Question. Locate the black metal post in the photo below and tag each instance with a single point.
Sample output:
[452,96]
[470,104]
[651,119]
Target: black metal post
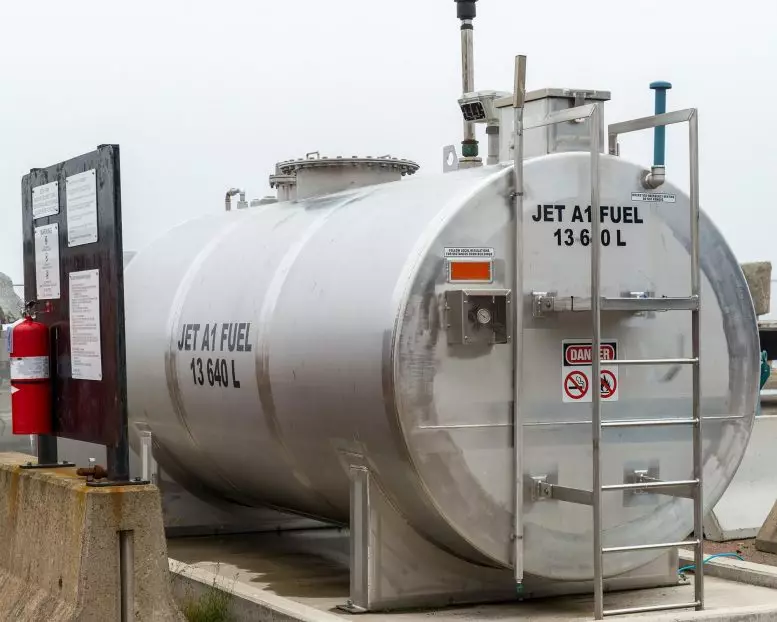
[47,449]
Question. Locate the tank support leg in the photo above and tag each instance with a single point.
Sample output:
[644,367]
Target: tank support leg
[393,567]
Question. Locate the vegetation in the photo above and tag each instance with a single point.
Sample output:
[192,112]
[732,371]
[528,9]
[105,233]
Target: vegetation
[212,606]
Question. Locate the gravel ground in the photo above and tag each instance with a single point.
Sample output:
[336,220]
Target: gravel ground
[746,548]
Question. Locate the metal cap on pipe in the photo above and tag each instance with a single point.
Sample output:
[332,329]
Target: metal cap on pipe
[465,9]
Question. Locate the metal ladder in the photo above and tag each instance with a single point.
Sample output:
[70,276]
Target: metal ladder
[691,488]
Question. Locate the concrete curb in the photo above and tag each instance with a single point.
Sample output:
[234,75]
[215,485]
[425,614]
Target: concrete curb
[735,570]
[250,604]
[767,613]
[253,604]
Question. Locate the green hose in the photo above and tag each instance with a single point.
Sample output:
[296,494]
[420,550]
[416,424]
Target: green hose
[766,369]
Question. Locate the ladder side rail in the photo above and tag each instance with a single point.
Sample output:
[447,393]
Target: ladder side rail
[592,112]
[698,438]
[519,96]
[596,361]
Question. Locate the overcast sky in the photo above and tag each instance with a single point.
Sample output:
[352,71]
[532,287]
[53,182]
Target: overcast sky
[206,95]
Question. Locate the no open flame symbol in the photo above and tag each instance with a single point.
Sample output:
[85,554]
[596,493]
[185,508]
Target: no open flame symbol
[608,384]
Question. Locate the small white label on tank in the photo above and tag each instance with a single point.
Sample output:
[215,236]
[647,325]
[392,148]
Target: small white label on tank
[85,343]
[81,203]
[653,197]
[469,251]
[45,200]
[47,262]
[576,381]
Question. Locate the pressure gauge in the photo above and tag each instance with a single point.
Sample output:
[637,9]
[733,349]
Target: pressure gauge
[484,315]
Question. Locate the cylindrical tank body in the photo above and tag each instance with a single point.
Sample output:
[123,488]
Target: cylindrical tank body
[270,348]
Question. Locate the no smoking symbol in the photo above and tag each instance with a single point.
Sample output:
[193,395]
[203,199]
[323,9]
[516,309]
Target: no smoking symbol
[576,385]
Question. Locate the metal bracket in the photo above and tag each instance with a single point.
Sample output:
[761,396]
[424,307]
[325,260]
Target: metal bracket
[542,489]
[450,159]
[639,496]
[542,303]
[653,485]
[580,97]
[108,483]
[639,304]
[54,465]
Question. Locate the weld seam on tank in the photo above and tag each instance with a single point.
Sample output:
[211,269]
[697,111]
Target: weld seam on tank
[264,383]
[171,368]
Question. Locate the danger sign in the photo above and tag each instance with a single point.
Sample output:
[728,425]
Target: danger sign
[576,353]
[576,371]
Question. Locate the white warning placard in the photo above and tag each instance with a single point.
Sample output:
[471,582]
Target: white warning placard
[470,252]
[576,381]
[85,342]
[81,208]
[47,262]
[45,200]
[654,197]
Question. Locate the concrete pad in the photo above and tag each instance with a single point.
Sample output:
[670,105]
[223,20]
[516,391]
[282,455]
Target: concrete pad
[59,547]
[758,275]
[304,577]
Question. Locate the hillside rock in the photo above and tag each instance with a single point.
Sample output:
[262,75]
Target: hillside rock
[11,305]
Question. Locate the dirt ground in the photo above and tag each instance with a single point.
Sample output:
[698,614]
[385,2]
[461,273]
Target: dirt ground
[746,548]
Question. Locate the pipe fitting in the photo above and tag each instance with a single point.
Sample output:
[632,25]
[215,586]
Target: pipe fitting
[654,178]
[465,10]
[228,198]
[492,131]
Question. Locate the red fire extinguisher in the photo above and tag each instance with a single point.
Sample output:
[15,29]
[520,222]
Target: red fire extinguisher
[30,377]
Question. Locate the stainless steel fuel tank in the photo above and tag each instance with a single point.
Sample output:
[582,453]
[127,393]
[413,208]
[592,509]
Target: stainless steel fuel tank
[268,348]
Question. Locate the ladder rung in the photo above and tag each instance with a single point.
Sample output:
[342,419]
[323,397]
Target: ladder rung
[651,362]
[636,423]
[649,547]
[640,485]
[620,612]
[689,303]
